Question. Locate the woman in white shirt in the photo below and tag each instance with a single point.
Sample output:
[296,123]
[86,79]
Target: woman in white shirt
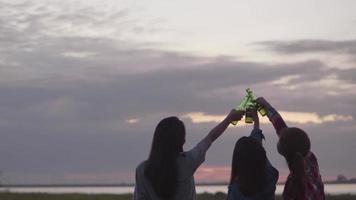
[168,171]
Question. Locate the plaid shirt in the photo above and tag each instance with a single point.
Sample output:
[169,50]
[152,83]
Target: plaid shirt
[314,188]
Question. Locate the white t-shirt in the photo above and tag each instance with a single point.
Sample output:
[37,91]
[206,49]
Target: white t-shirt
[188,162]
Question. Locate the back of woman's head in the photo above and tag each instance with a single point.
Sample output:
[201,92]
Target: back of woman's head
[249,162]
[167,144]
[294,145]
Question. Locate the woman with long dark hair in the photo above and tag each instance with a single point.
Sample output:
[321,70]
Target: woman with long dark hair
[252,175]
[304,180]
[168,172]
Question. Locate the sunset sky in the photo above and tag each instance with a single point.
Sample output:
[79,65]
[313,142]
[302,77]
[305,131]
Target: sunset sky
[84,83]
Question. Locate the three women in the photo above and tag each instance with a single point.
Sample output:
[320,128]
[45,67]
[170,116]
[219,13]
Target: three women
[168,171]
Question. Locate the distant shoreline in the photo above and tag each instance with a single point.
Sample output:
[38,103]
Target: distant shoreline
[204,196]
[131,185]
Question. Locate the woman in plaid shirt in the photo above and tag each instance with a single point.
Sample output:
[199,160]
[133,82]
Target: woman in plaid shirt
[304,181]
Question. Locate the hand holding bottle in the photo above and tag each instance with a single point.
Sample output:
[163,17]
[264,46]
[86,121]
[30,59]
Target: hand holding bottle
[263,102]
[235,115]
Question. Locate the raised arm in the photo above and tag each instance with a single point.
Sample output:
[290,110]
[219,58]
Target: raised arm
[256,119]
[197,154]
[256,132]
[234,115]
[273,115]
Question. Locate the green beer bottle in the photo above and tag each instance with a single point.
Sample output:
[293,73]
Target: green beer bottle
[249,101]
[248,117]
[260,108]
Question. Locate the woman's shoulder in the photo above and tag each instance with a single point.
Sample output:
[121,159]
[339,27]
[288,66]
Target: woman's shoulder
[196,155]
[140,167]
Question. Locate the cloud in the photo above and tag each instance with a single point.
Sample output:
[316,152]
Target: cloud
[332,84]
[285,80]
[311,46]
[133,120]
[201,117]
[96,177]
[291,117]
[313,118]
[348,75]
[221,174]
[84,54]
[213,174]
[77,92]
[338,54]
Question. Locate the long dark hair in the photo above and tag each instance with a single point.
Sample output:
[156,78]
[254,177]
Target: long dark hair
[167,144]
[294,145]
[249,166]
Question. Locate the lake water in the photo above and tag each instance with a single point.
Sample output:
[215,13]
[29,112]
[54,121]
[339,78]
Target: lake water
[329,188]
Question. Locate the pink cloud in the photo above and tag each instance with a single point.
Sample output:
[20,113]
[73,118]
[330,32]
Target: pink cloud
[101,177]
[222,174]
[213,174]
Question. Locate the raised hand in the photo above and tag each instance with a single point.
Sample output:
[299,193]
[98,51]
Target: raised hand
[236,115]
[263,102]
